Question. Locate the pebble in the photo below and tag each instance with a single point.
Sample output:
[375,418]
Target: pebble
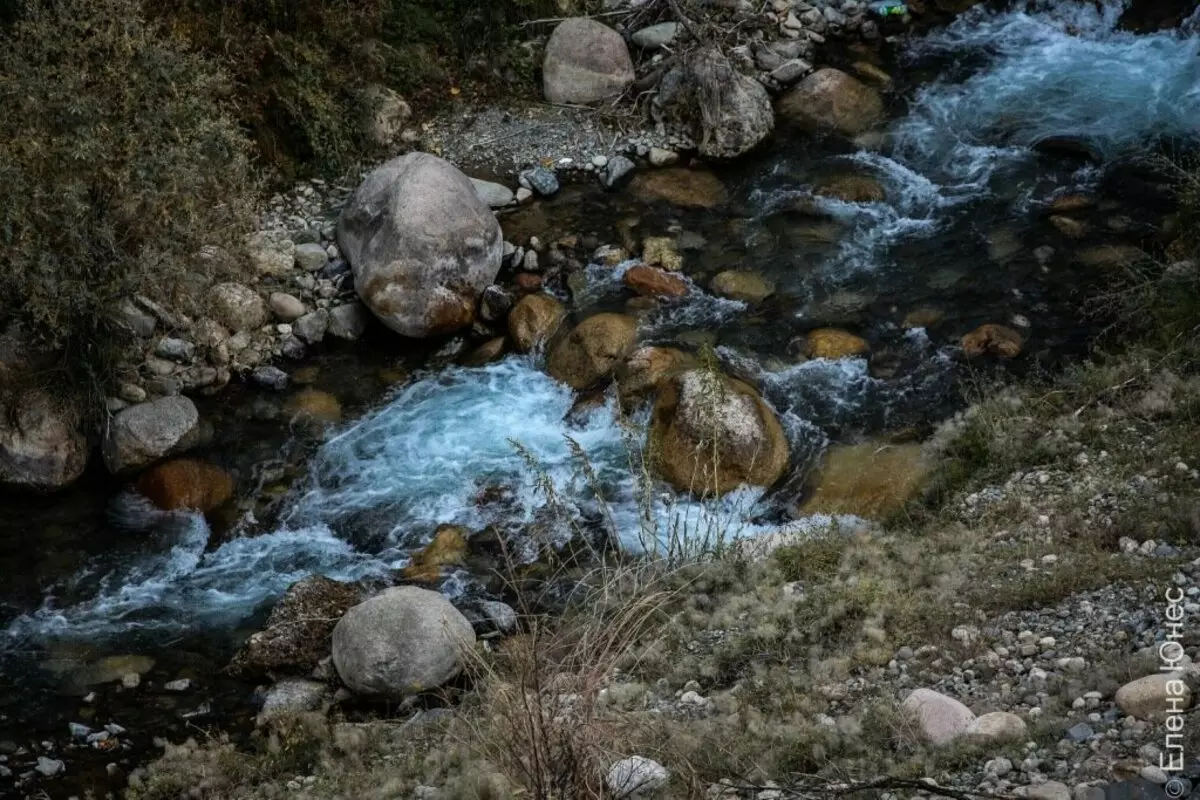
[541,180]
[181,685]
[49,767]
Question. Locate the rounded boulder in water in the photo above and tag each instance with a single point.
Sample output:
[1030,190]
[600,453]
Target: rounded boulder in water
[422,245]
[534,320]
[185,484]
[402,642]
[713,434]
[593,350]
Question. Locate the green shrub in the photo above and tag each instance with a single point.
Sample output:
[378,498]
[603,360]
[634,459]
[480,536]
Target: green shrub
[120,163]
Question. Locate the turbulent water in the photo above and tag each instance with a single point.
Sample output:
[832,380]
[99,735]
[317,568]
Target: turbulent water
[432,452]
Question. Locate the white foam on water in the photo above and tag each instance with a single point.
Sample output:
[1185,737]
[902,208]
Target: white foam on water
[176,584]
[696,309]
[1063,69]
[382,485]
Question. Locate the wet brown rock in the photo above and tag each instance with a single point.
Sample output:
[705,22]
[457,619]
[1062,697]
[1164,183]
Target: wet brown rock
[835,343]
[748,287]
[185,484]
[829,99]
[448,548]
[653,282]
[711,434]
[870,480]
[646,369]
[534,320]
[679,186]
[992,340]
[853,189]
[593,349]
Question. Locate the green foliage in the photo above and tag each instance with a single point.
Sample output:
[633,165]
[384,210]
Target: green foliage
[120,164]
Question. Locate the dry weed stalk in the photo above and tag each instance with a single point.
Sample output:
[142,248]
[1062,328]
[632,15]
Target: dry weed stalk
[544,724]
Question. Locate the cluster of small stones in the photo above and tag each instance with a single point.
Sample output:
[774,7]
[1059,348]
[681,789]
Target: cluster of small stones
[295,290]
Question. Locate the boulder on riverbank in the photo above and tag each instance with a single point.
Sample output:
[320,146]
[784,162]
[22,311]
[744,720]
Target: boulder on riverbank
[422,245]
[41,445]
[401,642]
[586,62]
[713,434]
[727,113]
[145,433]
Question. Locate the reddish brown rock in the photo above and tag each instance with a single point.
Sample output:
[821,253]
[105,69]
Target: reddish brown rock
[992,340]
[185,484]
[653,282]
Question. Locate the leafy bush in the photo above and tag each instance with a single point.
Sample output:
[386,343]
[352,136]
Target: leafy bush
[120,164]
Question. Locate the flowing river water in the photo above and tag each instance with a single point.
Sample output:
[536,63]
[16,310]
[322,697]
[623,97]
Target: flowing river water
[968,181]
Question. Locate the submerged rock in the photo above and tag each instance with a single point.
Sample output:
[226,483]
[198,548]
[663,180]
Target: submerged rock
[185,484]
[422,245]
[593,350]
[586,62]
[869,480]
[314,407]
[713,434]
[296,635]
[653,282]
[401,642]
[833,343]
[680,186]
[748,287]
[993,340]
[448,548]
[147,432]
[829,99]
[852,189]
[41,444]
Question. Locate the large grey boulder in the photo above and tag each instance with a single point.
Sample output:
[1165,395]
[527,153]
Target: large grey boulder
[422,245]
[41,446]
[726,112]
[145,433]
[586,62]
[401,642]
